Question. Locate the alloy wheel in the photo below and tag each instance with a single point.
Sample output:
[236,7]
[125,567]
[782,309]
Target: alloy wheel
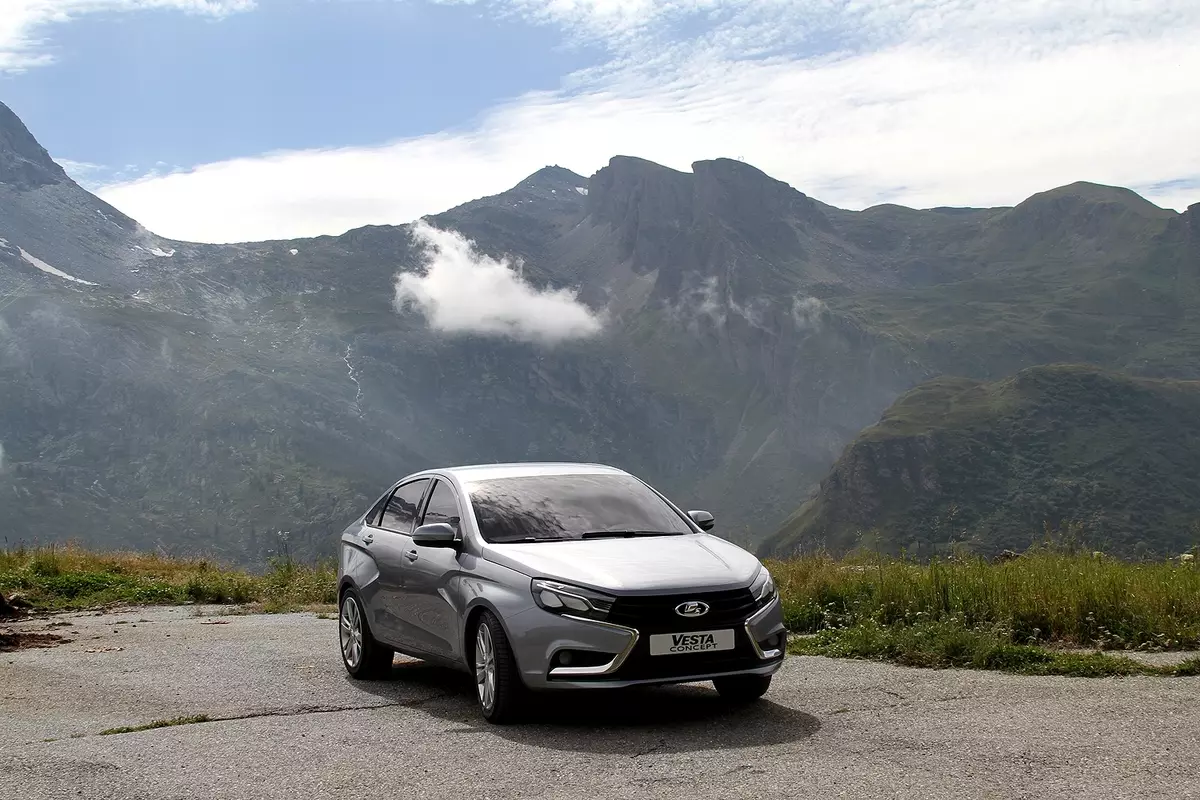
[351,632]
[485,667]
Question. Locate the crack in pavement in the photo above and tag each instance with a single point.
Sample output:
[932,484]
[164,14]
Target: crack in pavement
[653,748]
[904,702]
[279,712]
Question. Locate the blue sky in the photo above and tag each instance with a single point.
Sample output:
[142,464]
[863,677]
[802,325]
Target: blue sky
[160,87]
[222,120]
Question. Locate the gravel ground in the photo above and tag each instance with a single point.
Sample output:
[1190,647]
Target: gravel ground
[290,724]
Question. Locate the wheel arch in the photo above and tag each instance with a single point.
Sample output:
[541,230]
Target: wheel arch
[471,619]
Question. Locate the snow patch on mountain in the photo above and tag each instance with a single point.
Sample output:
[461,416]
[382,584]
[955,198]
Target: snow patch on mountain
[44,267]
[108,219]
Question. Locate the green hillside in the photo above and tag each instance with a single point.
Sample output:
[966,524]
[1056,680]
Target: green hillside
[1113,459]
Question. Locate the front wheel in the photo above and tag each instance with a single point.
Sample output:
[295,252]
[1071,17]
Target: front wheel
[742,688]
[498,685]
[364,657]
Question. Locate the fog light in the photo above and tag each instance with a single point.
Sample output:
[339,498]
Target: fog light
[564,658]
[774,642]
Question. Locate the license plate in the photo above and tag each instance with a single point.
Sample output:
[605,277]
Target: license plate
[669,644]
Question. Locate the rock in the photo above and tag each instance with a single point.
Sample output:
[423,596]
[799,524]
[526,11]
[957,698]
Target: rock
[24,163]
[1008,555]
[14,606]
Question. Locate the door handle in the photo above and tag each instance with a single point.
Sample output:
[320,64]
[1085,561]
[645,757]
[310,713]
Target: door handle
[368,537]
[411,555]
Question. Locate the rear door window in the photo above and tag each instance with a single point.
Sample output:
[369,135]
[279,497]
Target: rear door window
[401,511]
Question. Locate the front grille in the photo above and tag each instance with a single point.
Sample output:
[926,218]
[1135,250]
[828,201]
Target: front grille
[640,665]
[656,613]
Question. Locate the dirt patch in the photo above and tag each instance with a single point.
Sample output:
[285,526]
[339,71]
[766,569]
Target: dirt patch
[10,640]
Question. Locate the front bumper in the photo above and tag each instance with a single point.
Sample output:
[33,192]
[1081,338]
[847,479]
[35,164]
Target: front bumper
[760,641]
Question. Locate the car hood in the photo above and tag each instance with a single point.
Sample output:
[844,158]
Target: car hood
[639,565]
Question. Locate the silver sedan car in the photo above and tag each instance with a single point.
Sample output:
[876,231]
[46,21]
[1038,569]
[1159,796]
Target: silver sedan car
[536,577]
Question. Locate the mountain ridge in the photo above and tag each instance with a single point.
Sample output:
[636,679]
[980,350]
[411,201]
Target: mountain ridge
[206,397]
[23,161]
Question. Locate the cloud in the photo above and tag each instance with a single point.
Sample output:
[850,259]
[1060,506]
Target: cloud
[463,292]
[938,102]
[1,456]
[22,49]
[97,176]
[808,313]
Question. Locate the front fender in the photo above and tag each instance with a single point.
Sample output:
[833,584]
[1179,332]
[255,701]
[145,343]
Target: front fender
[500,590]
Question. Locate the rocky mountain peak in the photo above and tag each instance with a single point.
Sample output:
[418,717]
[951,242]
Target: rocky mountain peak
[554,177]
[632,189]
[1083,199]
[24,163]
[737,187]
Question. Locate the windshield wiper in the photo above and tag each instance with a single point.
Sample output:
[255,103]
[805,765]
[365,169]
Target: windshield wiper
[623,534]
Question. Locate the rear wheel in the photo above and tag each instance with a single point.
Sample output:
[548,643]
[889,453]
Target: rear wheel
[364,657]
[742,688]
[498,685]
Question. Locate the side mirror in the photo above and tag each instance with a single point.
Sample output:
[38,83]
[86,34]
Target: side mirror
[703,520]
[437,534]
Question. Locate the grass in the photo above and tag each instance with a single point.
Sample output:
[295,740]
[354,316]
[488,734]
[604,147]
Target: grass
[1030,615]
[69,578]
[162,723]
[948,643]
[1015,616]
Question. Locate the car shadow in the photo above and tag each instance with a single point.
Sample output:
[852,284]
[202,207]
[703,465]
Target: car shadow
[634,721]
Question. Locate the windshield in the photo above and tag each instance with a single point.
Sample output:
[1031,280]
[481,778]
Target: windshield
[553,507]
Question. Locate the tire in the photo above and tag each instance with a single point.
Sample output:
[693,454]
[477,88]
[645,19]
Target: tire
[364,657]
[742,688]
[498,686]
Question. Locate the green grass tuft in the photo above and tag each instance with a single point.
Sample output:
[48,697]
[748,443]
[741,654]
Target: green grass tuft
[1012,616]
[162,723]
[69,578]
[1044,596]
[941,645]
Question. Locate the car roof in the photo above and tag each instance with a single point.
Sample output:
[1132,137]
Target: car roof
[482,472]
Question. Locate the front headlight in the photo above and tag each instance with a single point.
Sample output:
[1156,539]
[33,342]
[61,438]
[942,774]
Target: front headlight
[562,598]
[763,588]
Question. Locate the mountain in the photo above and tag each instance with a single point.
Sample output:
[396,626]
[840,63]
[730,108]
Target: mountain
[990,464]
[43,212]
[206,397]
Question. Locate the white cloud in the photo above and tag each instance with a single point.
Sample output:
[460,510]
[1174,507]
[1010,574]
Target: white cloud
[96,176]
[463,291]
[808,312]
[82,171]
[937,102]
[21,46]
